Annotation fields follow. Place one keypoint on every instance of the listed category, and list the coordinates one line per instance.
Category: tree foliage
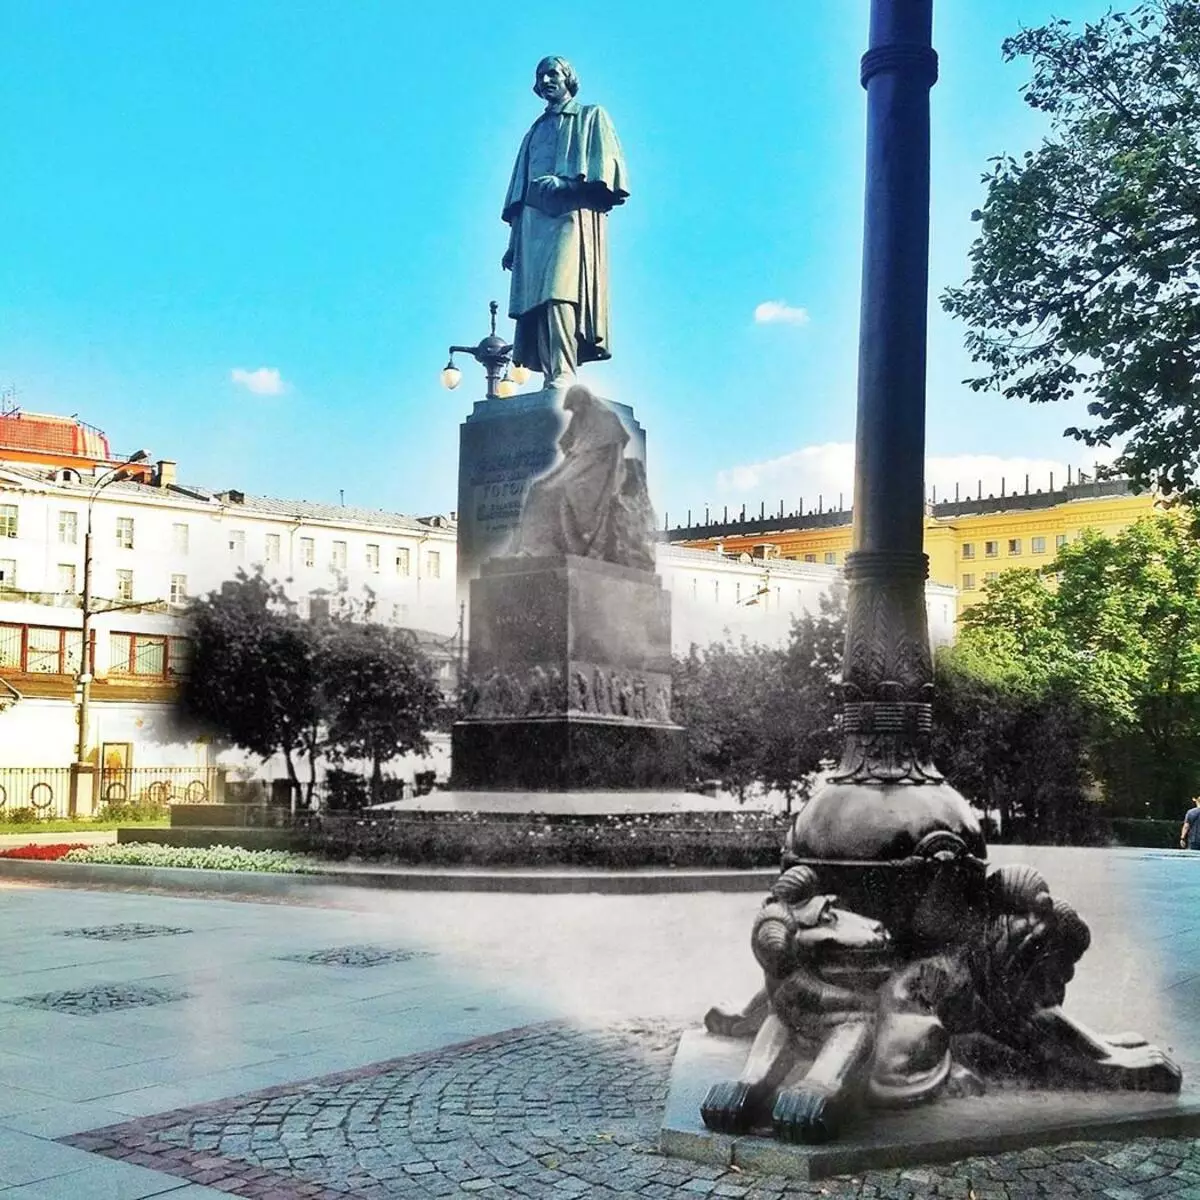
(1119, 635)
(1085, 277)
(763, 716)
(272, 683)
(254, 675)
(380, 692)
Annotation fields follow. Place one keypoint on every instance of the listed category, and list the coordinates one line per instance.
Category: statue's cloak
(570, 509)
(560, 248)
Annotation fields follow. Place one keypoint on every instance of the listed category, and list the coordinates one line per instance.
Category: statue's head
(555, 79)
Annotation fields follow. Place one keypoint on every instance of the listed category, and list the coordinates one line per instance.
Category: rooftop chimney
(164, 475)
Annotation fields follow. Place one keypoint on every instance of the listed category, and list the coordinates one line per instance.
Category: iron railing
(37, 793)
(160, 785)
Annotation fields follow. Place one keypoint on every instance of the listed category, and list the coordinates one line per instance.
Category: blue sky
(194, 190)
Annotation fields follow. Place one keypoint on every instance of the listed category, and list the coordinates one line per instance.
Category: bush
(21, 816)
(1155, 834)
(132, 810)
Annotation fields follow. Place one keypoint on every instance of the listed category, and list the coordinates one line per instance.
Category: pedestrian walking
(1189, 835)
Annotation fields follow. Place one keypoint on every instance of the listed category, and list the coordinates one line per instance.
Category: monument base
(566, 753)
(1005, 1118)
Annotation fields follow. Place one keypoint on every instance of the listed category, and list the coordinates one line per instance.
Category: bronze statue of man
(569, 172)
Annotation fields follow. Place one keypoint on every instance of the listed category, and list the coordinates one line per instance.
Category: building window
(1060, 541)
(812, 558)
(434, 564)
(178, 589)
(1014, 546)
(39, 651)
(147, 656)
(403, 561)
(1037, 545)
(989, 577)
(66, 578)
(338, 562)
(308, 552)
(68, 528)
(8, 574)
(830, 558)
(991, 549)
(124, 585)
(968, 550)
(373, 558)
(237, 544)
(274, 547)
(968, 583)
(125, 533)
(8, 520)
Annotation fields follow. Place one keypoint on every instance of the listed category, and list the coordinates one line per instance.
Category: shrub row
(659, 840)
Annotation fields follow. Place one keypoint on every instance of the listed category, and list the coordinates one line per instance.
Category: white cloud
(828, 471)
(263, 381)
(779, 312)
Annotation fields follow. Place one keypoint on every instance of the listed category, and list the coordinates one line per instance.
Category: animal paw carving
(1141, 1068)
(804, 1116)
(727, 1108)
(962, 1081)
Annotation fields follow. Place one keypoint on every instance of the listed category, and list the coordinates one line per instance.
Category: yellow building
(969, 542)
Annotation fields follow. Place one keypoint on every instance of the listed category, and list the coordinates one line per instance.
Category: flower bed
(44, 852)
(212, 858)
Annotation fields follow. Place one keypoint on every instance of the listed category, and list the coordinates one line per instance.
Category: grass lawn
(79, 826)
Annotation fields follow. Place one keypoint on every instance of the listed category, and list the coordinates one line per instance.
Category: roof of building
(48, 434)
(268, 506)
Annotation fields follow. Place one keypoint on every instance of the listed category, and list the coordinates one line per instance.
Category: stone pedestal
(570, 662)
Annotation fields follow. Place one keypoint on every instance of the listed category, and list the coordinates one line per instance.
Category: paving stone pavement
(552, 1112)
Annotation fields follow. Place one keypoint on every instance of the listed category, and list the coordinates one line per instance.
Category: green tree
(1085, 277)
(380, 692)
(1119, 636)
(761, 716)
(254, 674)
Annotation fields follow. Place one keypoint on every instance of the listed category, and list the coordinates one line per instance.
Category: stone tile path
(454, 1045)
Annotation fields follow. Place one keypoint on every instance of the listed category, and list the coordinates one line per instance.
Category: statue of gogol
(569, 173)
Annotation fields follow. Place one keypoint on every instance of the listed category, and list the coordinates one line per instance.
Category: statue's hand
(506, 263)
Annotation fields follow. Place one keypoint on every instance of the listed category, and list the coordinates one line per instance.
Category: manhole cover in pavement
(123, 933)
(105, 997)
(356, 956)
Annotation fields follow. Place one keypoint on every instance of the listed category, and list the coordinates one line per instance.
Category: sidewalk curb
(285, 886)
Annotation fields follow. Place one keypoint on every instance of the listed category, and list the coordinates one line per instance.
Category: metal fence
(160, 785)
(34, 793)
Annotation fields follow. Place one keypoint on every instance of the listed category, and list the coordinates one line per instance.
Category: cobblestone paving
(105, 997)
(130, 932)
(356, 956)
(553, 1113)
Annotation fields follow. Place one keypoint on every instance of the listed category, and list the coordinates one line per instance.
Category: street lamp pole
(86, 656)
(493, 354)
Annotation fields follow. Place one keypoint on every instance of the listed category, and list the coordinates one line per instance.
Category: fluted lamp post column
(886, 816)
(494, 354)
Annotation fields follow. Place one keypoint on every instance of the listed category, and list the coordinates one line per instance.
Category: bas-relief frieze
(586, 688)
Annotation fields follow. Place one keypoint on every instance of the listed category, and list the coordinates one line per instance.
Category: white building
(157, 542)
